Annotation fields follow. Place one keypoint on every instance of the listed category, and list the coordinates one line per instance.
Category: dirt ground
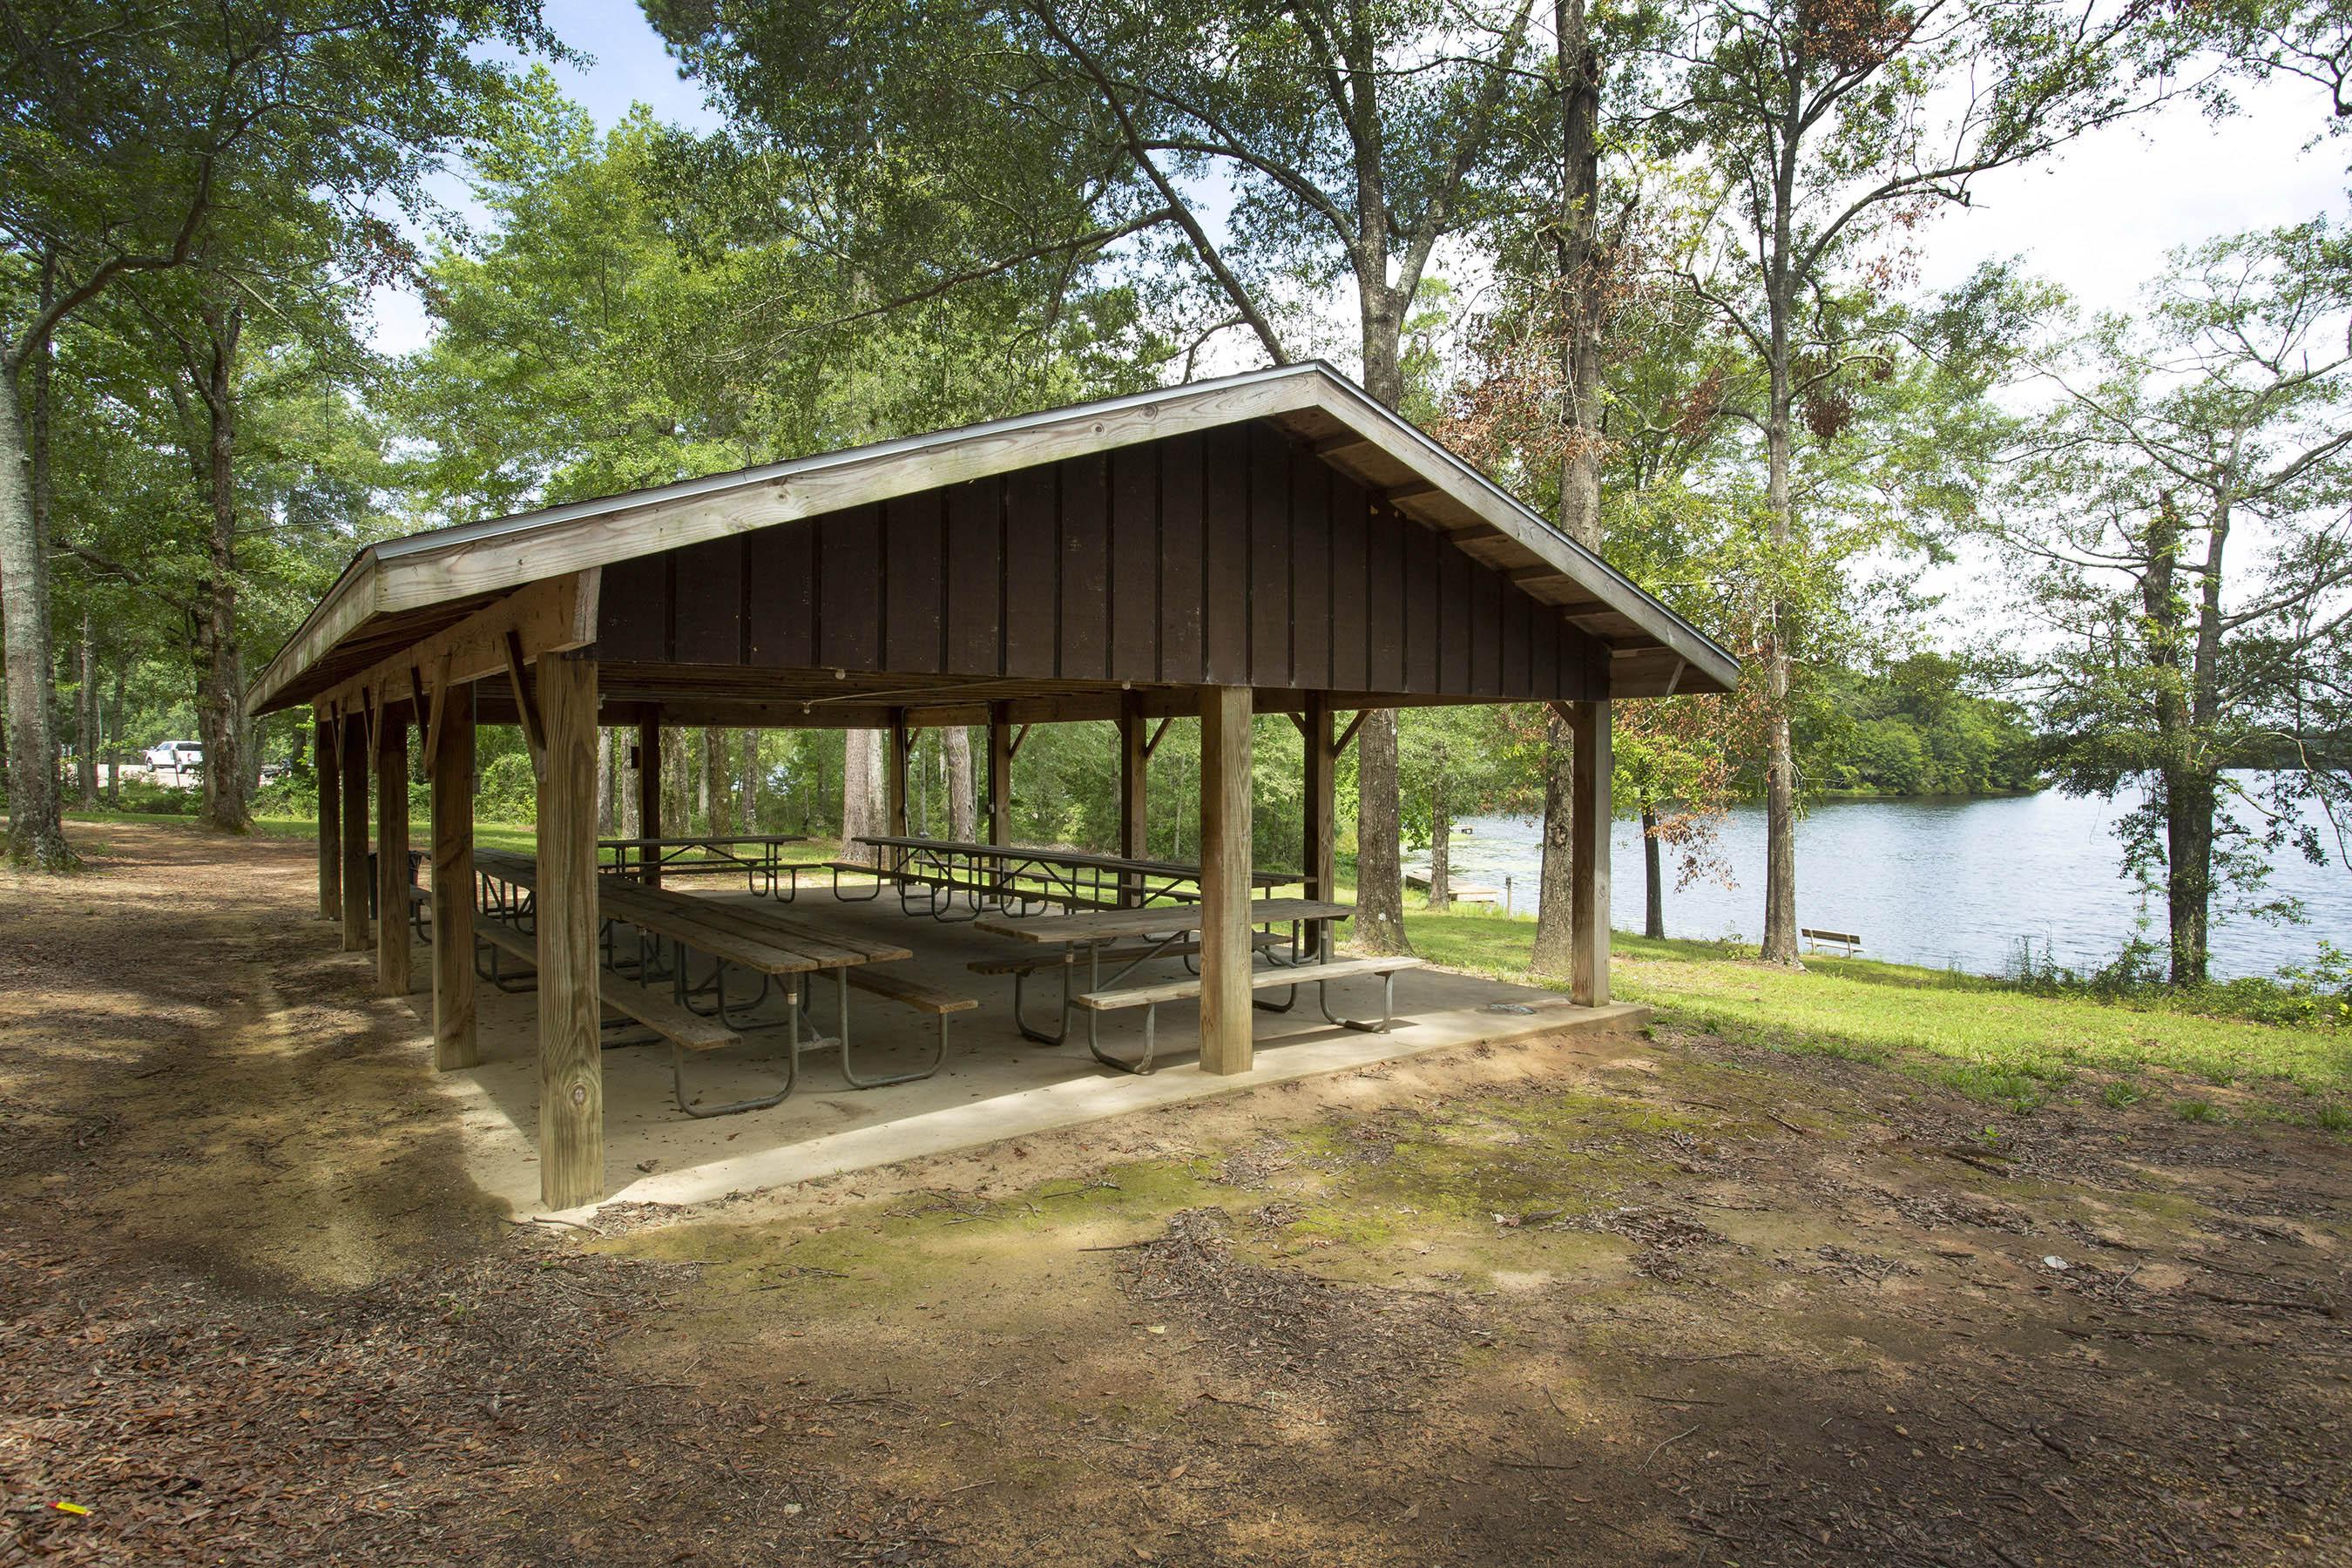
(1634, 1300)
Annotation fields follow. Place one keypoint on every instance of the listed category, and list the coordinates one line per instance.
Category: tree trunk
(1653, 903)
(604, 782)
(747, 803)
(710, 784)
(1583, 300)
(1380, 859)
(2183, 694)
(2189, 802)
(677, 780)
(1581, 305)
(86, 712)
(220, 683)
(114, 752)
(861, 791)
(626, 812)
(36, 833)
(1780, 944)
(1555, 950)
(1441, 841)
(963, 812)
(1379, 871)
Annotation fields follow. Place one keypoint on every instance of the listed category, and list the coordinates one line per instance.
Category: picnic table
(757, 857)
(1133, 937)
(650, 937)
(1010, 879)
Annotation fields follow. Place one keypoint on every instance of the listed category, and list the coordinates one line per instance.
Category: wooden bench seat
(1260, 980)
(913, 993)
(1030, 964)
(1273, 976)
(678, 1025)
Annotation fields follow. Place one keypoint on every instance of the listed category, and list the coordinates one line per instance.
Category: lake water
(1949, 883)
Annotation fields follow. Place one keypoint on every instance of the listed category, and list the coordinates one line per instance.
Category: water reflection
(1953, 883)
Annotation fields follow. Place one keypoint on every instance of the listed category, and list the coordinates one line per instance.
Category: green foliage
(510, 789)
(2176, 525)
(1914, 729)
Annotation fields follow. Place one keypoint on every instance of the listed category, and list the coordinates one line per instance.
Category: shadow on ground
(1660, 1300)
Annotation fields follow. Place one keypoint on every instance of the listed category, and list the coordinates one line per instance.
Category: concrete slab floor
(993, 1084)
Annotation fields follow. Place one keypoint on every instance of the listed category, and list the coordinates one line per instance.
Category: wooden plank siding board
(1454, 610)
(1384, 600)
(1518, 631)
(1268, 581)
(1085, 597)
(1235, 556)
(1350, 650)
(1180, 559)
(1486, 633)
(1310, 571)
(633, 611)
(975, 598)
(1134, 607)
(849, 589)
(914, 583)
(706, 602)
(1225, 562)
(779, 598)
(1032, 571)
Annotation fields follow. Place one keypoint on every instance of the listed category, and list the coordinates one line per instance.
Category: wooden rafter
(534, 728)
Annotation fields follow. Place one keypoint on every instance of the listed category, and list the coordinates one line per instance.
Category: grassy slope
(1980, 1035)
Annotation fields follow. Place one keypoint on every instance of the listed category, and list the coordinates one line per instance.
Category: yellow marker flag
(68, 1508)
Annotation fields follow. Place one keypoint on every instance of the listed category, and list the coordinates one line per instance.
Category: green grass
(1986, 1037)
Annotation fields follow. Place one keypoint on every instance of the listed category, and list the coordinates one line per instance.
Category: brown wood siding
(975, 599)
(1310, 572)
(914, 578)
(780, 591)
(1085, 618)
(1234, 557)
(1268, 585)
(1224, 558)
(1031, 574)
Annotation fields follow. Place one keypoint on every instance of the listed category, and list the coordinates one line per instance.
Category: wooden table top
(689, 840)
(1162, 920)
(744, 933)
(1085, 858)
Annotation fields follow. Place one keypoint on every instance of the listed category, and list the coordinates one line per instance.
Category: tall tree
(1833, 131)
(1230, 164)
(123, 130)
(2184, 519)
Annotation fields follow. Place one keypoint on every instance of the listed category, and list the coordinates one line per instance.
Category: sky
(2096, 220)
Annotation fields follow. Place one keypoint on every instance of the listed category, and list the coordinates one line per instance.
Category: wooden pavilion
(1273, 542)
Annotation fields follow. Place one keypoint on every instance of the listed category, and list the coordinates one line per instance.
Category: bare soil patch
(1662, 1301)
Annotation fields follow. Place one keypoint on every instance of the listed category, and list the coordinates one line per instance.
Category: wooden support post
(649, 793)
(454, 1044)
(328, 760)
(1589, 815)
(392, 939)
(895, 783)
(571, 1044)
(1134, 796)
(1225, 1029)
(1321, 847)
(354, 793)
(999, 772)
